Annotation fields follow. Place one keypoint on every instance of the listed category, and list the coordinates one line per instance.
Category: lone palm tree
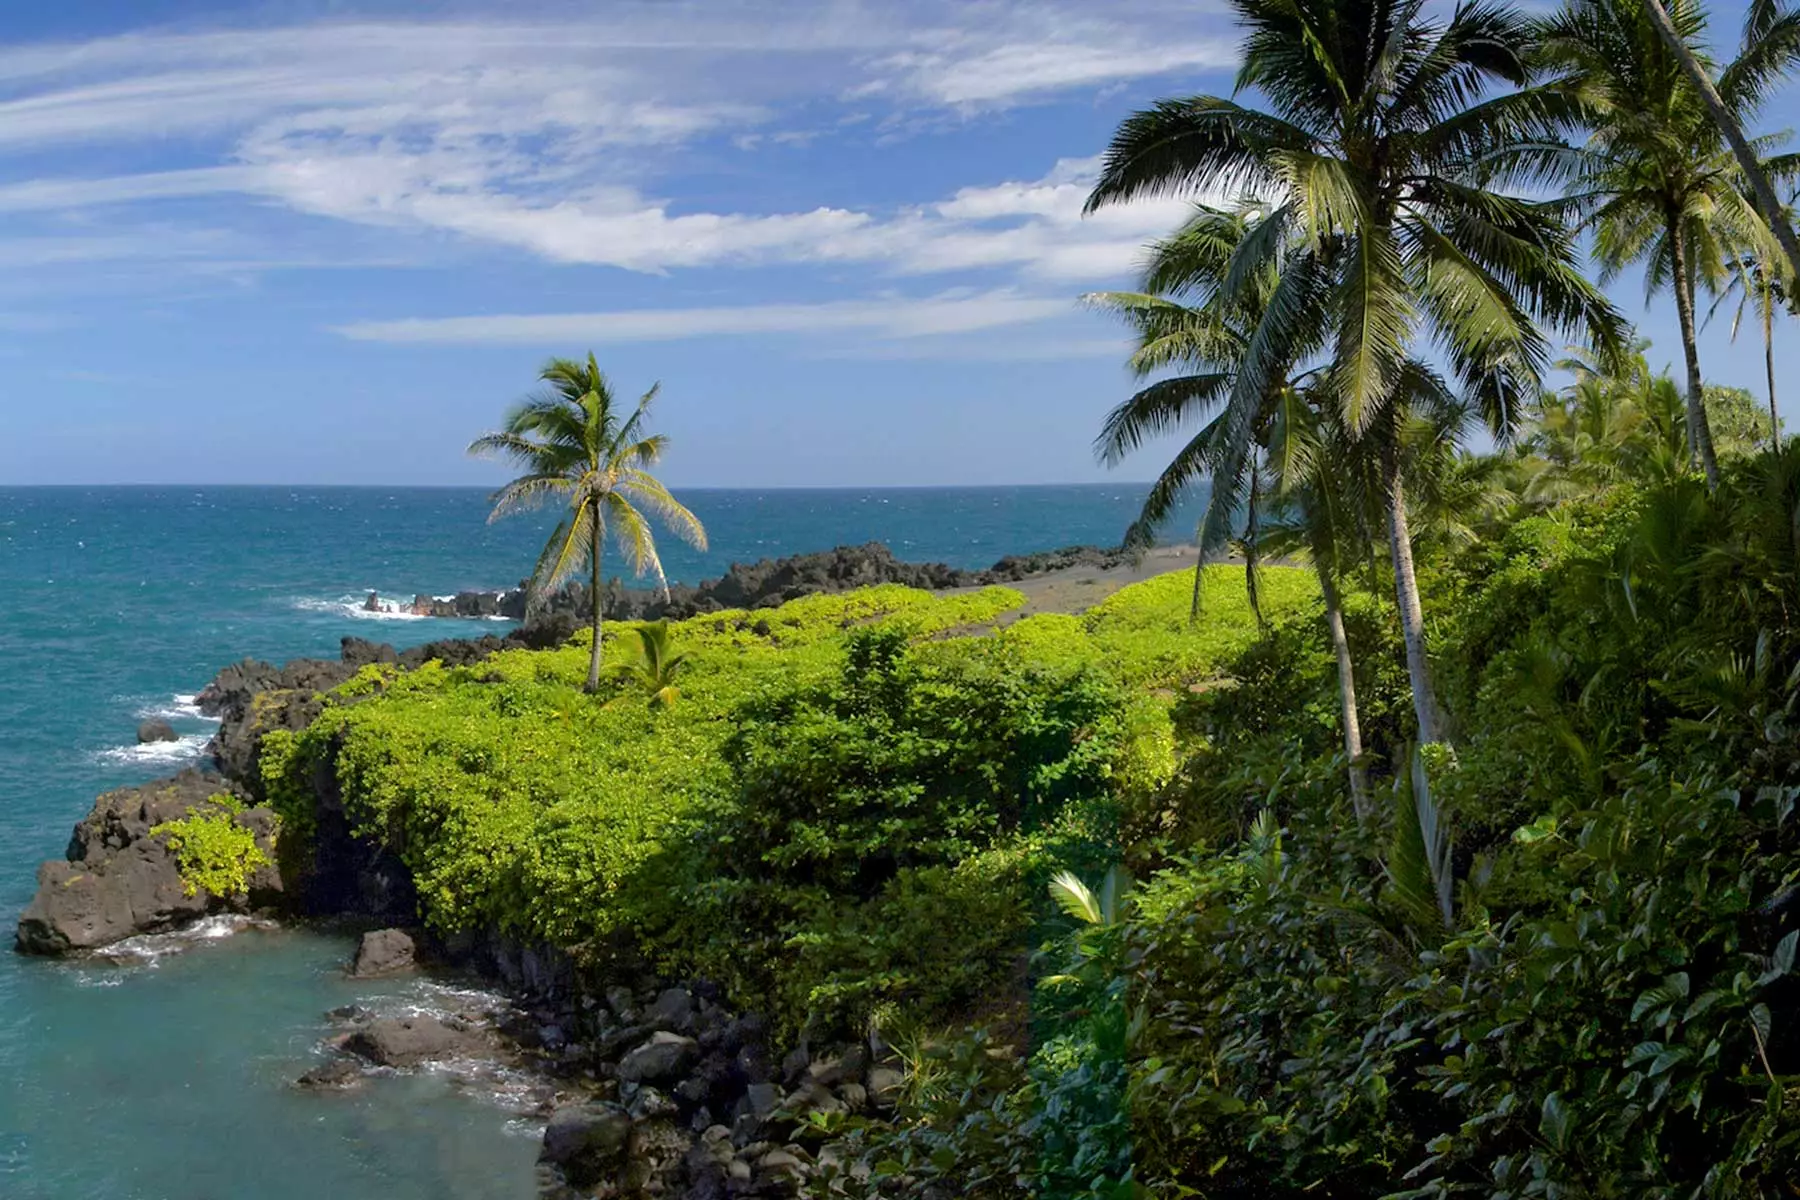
(579, 448)
(1381, 127)
(1655, 181)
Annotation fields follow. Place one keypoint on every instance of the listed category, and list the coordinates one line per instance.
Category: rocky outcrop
(412, 1041)
(155, 730)
(688, 1103)
(383, 952)
(764, 584)
(119, 879)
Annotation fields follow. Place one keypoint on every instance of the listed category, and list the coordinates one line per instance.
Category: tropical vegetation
(1445, 846)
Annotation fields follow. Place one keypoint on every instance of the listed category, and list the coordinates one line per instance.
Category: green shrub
(212, 851)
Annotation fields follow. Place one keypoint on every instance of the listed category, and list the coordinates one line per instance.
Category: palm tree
(578, 447)
(1654, 180)
(653, 667)
(1208, 339)
(1183, 318)
(1771, 44)
(1380, 128)
(1755, 277)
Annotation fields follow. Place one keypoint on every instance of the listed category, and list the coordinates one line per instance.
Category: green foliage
(921, 785)
(844, 778)
(1740, 423)
(212, 851)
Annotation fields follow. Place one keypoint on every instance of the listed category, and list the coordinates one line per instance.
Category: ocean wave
(180, 750)
(180, 707)
(356, 607)
(146, 949)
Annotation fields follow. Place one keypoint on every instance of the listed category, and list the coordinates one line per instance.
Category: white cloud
(1035, 55)
(933, 316)
(61, 195)
(569, 140)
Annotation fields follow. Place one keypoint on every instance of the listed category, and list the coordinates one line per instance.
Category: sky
(332, 242)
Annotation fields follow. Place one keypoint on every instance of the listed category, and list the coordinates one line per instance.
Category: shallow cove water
(169, 1077)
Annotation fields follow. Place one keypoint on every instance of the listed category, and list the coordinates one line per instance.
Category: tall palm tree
(579, 447)
(1207, 339)
(1771, 45)
(1654, 180)
(1380, 127)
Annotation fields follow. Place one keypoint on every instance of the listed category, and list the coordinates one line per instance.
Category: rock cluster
(764, 584)
(688, 1103)
(118, 880)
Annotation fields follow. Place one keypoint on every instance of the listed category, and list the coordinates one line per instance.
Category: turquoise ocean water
(167, 1078)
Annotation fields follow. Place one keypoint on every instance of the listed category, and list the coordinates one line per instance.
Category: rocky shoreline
(649, 1086)
(762, 584)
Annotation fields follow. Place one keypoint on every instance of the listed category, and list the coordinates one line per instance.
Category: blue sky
(330, 242)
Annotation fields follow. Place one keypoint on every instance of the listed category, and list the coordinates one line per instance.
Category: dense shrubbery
(1610, 1009)
(842, 780)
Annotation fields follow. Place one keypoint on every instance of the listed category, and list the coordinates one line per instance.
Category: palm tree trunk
(1700, 444)
(1340, 644)
(1199, 574)
(1768, 316)
(1406, 594)
(593, 680)
(1766, 202)
(1252, 562)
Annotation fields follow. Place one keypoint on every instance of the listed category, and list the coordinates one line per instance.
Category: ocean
(168, 1076)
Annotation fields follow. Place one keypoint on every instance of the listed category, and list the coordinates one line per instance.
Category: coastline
(370, 888)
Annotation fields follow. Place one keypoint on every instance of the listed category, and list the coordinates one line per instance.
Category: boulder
(588, 1143)
(885, 1084)
(664, 1059)
(119, 880)
(155, 730)
(337, 1075)
(673, 1009)
(410, 1041)
(383, 952)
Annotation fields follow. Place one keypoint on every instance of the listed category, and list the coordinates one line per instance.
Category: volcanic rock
(119, 880)
(383, 952)
(410, 1041)
(155, 730)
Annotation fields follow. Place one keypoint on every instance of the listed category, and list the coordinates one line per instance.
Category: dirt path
(1077, 589)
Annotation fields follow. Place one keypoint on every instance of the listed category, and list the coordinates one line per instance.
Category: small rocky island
(662, 1089)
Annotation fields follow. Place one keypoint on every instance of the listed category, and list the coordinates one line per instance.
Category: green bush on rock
(213, 852)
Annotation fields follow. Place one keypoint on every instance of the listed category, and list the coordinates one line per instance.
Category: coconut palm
(1756, 279)
(1182, 318)
(653, 666)
(1654, 180)
(1771, 31)
(1207, 339)
(1380, 126)
(579, 447)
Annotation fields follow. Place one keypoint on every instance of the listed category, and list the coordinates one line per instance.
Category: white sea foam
(180, 750)
(147, 948)
(356, 607)
(179, 707)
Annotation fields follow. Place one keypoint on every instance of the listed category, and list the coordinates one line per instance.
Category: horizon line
(471, 487)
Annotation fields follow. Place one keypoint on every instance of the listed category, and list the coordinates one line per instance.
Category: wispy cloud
(892, 317)
(571, 141)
